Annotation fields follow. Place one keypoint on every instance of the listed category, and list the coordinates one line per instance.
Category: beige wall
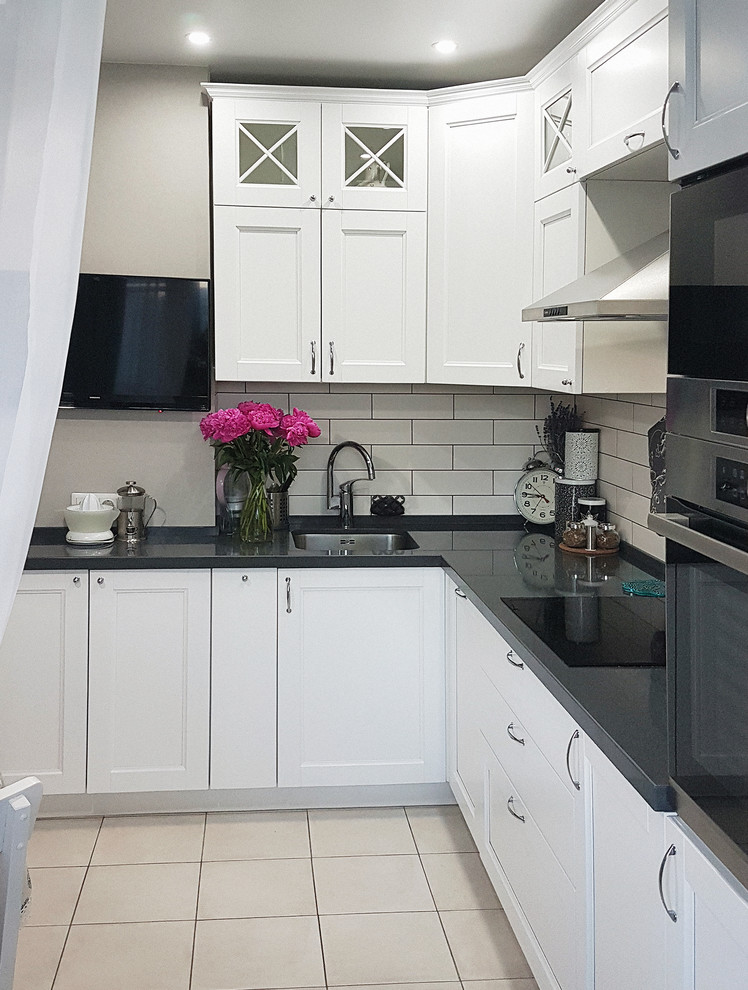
(147, 214)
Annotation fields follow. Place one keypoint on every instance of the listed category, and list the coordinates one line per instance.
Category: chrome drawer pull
(512, 735)
(288, 595)
(510, 809)
(314, 357)
(460, 594)
(670, 913)
(574, 735)
(514, 663)
(673, 151)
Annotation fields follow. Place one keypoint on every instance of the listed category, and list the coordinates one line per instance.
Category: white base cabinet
(360, 676)
(243, 679)
(707, 946)
(43, 682)
(149, 680)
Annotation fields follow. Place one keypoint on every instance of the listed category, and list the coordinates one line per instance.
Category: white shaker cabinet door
(149, 680)
(360, 676)
(707, 111)
(373, 296)
(480, 240)
(43, 682)
(266, 280)
(243, 676)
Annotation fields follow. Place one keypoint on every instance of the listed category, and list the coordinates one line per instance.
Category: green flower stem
(255, 523)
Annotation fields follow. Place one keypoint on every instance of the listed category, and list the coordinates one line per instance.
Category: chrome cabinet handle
(514, 663)
(332, 357)
(510, 809)
(566, 381)
(313, 345)
(512, 735)
(574, 735)
(669, 911)
(330, 199)
(76, 580)
(460, 594)
(288, 595)
(312, 198)
(673, 151)
(99, 580)
(245, 577)
(571, 170)
(634, 134)
(519, 359)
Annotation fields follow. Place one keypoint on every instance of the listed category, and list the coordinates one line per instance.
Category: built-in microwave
(708, 336)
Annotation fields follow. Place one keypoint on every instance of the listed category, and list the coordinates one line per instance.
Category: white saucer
(107, 536)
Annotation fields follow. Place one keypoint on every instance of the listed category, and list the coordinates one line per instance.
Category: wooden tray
(585, 552)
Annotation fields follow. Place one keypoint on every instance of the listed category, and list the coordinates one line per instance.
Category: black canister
(568, 493)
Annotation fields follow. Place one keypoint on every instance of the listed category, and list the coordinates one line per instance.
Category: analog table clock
(535, 496)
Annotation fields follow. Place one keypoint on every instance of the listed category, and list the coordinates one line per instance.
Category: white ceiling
(343, 42)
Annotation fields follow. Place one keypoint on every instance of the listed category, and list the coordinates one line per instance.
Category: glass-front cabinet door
(557, 108)
(266, 153)
(374, 157)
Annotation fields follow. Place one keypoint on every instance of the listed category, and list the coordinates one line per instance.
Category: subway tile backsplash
(459, 449)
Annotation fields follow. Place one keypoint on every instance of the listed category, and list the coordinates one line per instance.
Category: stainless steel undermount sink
(354, 541)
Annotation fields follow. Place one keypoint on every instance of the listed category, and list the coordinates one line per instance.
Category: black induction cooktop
(592, 631)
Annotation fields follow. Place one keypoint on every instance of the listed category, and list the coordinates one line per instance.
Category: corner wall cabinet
(558, 107)
(480, 239)
(360, 676)
(43, 682)
(319, 256)
(706, 109)
(149, 680)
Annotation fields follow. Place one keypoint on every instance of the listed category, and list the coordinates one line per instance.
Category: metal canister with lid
(131, 522)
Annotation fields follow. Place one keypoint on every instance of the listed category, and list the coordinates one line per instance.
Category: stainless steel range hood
(632, 287)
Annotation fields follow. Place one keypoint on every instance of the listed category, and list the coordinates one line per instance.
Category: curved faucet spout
(343, 501)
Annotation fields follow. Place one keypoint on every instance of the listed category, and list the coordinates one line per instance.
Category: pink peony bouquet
(258, 438)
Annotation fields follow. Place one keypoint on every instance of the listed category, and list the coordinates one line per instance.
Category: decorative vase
(580, 459)
(255, 522)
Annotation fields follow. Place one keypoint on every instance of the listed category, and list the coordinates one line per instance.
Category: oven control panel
(731, 481)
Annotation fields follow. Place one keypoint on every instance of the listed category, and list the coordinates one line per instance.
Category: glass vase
(255, 522)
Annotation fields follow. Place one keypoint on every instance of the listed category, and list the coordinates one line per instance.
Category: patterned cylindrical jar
(568, 492)
(580, 454)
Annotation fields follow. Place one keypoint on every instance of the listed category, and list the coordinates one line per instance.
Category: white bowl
(89, 520)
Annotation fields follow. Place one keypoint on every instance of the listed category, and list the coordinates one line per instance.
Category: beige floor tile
(253, 953)
(385, 948)
(484, 946)
(152, 956)
(63, 841)
(54, 892)
(440, 830)
(360, 832)
(459, 882)
(152, 892)
(256, 835)
(150, 839)
(409, 986)
(499, 985)
(367, 884)
(259, 888)
(39, 951)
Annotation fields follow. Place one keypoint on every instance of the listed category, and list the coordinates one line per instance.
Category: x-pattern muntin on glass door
(268, 153)
(365, 161)
(557, 137)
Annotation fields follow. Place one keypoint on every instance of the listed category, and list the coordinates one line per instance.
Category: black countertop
(622, 709)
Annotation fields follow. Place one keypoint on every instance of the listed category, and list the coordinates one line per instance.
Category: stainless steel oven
(706, 526)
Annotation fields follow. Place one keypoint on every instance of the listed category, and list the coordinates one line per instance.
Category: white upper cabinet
(266, 152)
(373, 157)
(267, 294)
(43, 682)
(373, 296)
(707, 112)
(558, 102)
(480, 240)
(625, 81)
(315, 154)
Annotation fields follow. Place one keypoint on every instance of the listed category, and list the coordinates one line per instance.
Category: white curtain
(50, 52)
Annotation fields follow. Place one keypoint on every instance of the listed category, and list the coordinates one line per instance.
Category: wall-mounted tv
(139, 342)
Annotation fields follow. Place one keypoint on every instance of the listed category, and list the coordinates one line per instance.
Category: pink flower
(262, 416)
(225, 425)
(297, 427)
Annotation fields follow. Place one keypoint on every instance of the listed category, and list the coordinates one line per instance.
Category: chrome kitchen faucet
(344, 499)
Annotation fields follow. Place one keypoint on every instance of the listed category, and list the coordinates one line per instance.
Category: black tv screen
(139, 342)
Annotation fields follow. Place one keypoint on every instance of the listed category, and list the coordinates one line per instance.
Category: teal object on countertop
(649, 589)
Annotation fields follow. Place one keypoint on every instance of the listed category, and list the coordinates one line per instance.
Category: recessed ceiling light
(198, 37)
(445, 47)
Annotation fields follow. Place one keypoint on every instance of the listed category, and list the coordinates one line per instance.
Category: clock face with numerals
(535, 559)
(535, 496)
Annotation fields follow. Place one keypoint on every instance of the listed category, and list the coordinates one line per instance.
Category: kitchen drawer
(545, 893)
(541, 791)
(552, 728)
